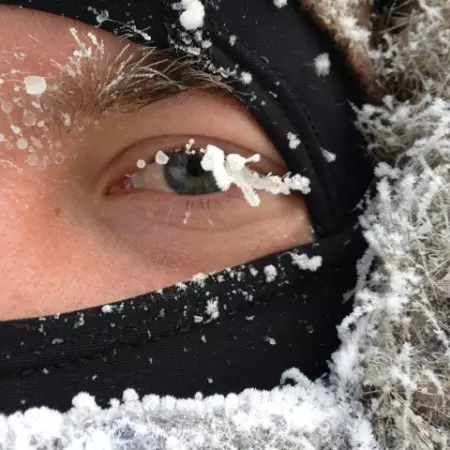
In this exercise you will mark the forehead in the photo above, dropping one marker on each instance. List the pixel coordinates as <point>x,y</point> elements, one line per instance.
<point>31,39</point>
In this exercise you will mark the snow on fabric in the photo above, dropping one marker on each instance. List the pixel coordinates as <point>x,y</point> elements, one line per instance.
<point>290,417</point>
<point>193,14</point>
<point>389,382</point>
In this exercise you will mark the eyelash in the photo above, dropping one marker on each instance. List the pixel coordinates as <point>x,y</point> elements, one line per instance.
<point>192,201</point>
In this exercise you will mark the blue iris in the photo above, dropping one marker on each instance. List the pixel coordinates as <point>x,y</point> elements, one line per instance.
<point>185,175</point>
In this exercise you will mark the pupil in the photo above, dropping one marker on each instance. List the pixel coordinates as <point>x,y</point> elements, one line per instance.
<point>194,167</point>
<point>185,176</point>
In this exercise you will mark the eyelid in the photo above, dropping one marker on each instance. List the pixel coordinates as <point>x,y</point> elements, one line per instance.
<point>125,162</point>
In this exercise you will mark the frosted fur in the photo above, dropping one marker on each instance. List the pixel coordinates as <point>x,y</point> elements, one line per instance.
<point>285,418</point>
<point>350,25</point>
<point>389,383</point>
<point>402,364</point>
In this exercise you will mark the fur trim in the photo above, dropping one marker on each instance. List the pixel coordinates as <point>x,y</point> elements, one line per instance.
<point>349,23</point>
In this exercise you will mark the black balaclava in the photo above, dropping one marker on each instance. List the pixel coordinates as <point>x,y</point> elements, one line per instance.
<point>234,329</point>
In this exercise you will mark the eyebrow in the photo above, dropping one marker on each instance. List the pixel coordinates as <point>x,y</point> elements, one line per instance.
<point>137,77</point>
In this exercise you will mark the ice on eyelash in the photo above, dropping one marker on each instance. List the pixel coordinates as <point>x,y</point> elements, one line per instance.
<point>161,158</point>
<point>187,215</point>
<point>229,169</point>
<point>141,163</point>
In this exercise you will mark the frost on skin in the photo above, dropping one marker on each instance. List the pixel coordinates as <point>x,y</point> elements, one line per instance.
<point>322,64</point>
<point>35,85</point>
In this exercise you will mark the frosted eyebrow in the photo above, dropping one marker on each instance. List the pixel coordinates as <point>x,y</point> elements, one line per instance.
<point>136,77</point>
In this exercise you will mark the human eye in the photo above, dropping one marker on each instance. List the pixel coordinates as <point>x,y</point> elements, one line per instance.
<point>175,177</point>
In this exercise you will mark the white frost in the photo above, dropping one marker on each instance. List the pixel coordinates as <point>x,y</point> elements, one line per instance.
<point>305,262</point>
<point>35,85</point>
<point>193,14</point>
<point>231,169</point>
<point>140,163</point>
<point>322,64</point>
<point>329,156</point>
<point>280,3</point>
<point>246,77</point>
<point>161,158</point>
<point>270,272</point>
<point>294,140</point>
<point>22,143</point>
<point>106,309</point>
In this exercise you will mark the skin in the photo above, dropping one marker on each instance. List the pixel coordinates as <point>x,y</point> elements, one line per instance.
<point>66,242</point>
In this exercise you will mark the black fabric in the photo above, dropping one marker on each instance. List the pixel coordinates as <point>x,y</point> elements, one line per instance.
<point>167,342</point>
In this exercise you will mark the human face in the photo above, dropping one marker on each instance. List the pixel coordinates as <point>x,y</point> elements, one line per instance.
<point>71,236</point>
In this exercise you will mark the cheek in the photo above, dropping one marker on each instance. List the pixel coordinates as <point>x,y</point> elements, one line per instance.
<point>58,246</point>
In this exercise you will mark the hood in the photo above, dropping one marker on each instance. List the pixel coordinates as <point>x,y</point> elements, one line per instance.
<point>389,383</point>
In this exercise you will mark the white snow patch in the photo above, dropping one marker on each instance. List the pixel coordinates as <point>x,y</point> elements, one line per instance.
<point>35,85</point>
<point>307,415</point>
<point>270,340</point>
<point>200,278</point>
<point>231,169</point>
<point>329,156</point>
<point>280,3</point>
<point>246,77</point>
<point>294,140</point>
<point>193,15</point>
<point>305,262</point>
<point>270,272</point>
<point>107,309</point>
<point>141,163</point>
<point>212,309</point>
<point>322,64</point>
<point>161,158</point>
